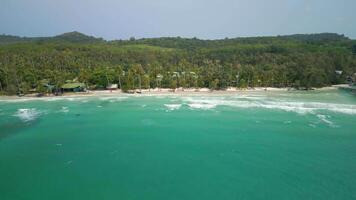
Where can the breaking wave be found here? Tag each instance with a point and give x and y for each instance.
(62, 98)
(326, 119)
(203, 106)
(27, 114)
(64, 109)
(49, 99)
(112, 99)
(173, 106)
(289, 106)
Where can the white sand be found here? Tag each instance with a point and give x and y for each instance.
(164, 92)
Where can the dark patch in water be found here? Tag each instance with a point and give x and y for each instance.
(12, 128)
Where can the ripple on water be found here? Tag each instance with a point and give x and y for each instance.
(64, 109)
(326, 119)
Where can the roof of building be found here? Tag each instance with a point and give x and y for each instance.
(112, 86)
(73, 85)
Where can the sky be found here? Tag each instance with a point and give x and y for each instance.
(205, 19)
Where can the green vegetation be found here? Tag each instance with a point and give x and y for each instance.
(301, 61)
(73, 85)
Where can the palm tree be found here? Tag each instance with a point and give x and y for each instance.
(237, 79)
(122, 74)
(159, 78)
(139, 82)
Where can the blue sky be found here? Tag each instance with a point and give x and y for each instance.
(206, 19)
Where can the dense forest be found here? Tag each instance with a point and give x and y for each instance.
(300, 61)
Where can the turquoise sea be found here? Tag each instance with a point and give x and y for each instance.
(253, 145)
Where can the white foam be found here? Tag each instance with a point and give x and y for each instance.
(202, 106)
(17, 100)
(112, 99)
(297, 107)
(348, 110)
(173, 106)
(54, 99)
(64, 109)
(312, 125)
(254, 97)
(326, 119)
(27, 114)
(60, 99)
(25, 99)
(289, 106)
(204, 103)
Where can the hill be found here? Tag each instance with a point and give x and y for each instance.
(70, 37)
(301, 61)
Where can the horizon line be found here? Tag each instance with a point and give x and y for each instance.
(108, 40)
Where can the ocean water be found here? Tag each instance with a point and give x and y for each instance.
(255, 145)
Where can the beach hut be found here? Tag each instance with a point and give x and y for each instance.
(73, 87)
(112, 87)
(338, 72)
(49, 88)
(42, 87)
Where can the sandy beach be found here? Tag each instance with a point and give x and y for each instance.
(162, 92)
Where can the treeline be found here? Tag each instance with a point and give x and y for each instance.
(300, 61)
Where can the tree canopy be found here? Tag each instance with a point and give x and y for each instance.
(301, 61)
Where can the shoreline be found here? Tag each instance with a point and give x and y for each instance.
(165, 92)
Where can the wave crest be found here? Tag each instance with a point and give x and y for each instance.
(27, 114)
(173, 106)
(289, 106)
(112, 99)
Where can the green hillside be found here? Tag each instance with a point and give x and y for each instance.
(301, 61)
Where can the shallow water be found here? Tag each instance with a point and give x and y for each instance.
(275, 145)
